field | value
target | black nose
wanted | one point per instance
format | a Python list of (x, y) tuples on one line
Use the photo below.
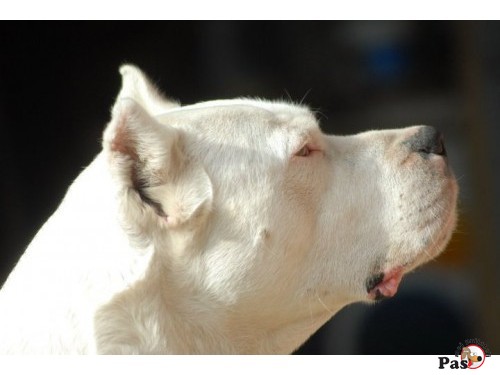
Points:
[(427, 140), (479, 358)]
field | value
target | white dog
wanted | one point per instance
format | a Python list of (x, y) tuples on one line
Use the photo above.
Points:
[(231, 226)]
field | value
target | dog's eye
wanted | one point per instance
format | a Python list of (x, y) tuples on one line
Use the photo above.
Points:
[(304, 151)]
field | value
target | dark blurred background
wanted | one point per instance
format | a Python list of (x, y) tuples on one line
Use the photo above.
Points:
[(59, 80)]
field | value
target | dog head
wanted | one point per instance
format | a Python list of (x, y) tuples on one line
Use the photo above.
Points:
[(472, 357), (253, 209)]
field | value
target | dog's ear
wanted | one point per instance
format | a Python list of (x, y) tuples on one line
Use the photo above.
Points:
[(465, 353), (159, 187), (136, 86)]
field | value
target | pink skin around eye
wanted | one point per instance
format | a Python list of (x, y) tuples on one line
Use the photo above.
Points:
[(306, 150)]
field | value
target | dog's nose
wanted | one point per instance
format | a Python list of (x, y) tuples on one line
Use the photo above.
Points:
[(479, 358), (427, 140)]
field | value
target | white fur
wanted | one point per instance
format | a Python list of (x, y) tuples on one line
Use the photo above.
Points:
[(198, 230)]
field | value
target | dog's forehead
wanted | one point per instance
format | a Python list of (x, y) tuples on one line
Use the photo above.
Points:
[(247, 123), (276, 107), (235, 111)]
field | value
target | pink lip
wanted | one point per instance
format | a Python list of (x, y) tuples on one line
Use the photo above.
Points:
[(388, 287)]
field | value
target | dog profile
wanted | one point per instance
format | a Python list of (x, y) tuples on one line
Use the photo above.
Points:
[(228, 226), (471, 357)]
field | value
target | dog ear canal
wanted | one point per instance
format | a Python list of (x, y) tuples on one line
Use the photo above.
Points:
[(147, 200), (147, 159), (143, 153)]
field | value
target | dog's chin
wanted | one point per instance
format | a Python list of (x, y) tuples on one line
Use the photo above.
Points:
[(442, 230), (385, 284)]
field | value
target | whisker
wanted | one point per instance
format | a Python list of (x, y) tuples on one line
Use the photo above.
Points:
[(304, 97), (325, 306), (318, 112), (311, 321)]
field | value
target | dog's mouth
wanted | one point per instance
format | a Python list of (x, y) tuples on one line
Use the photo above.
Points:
[(384, 284)]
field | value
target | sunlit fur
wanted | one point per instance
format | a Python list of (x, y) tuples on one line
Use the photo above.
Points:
[(206, 229)]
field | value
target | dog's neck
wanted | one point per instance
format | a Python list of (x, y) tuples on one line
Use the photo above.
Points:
[(180, 321)]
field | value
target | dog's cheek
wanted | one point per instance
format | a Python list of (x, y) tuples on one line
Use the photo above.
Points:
[(302, 190)]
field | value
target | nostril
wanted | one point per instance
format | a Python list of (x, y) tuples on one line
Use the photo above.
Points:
[(435, 146), (427, 140)]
